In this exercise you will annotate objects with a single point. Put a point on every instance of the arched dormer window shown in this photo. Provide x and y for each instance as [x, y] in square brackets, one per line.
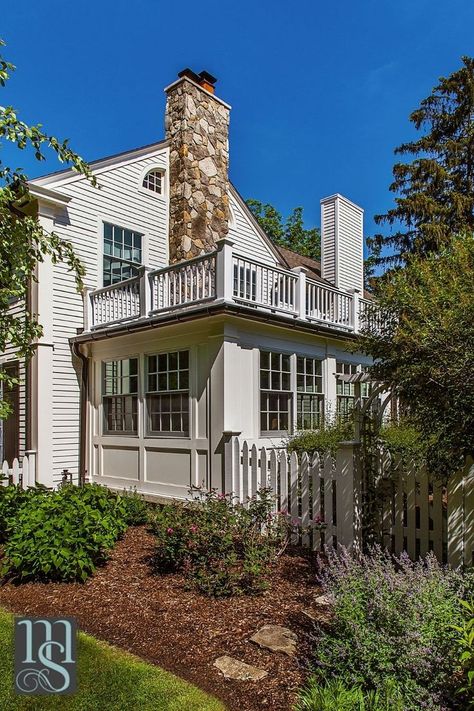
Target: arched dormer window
[154, 181]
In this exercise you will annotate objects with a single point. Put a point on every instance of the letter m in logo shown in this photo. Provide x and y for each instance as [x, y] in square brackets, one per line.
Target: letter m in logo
[45, 655]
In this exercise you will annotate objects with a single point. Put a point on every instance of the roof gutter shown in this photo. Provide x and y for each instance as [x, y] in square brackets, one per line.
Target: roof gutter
[214, 310]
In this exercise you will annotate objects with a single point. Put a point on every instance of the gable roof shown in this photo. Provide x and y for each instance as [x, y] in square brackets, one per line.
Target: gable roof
[100, 163]
[293, 259]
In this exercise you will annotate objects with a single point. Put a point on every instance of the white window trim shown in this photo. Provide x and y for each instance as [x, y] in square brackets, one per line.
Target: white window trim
[151, 193]
[118, 222]
[147, 432]
[102, 431]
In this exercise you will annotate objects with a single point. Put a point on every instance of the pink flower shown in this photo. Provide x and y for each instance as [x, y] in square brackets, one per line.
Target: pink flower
[193, 528]
[170, 530]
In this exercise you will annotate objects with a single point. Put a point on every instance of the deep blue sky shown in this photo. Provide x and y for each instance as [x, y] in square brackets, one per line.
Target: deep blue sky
[321, 91]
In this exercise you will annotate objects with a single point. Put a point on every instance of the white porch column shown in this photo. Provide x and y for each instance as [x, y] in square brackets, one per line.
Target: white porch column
[41, 401]
[300, 291]
[355, 310]
[145, 292]
[224, 269]
[329, 370]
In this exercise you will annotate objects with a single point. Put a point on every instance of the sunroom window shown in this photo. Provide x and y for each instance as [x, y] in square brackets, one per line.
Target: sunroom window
[120, 396]
[168, 393]
[275, 392]
[310, 398]
[122, 253]
[346, 391]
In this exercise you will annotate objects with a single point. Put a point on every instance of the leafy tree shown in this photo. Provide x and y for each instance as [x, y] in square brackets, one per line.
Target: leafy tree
[424, 347]
[23, 241]
[436, 190]
[290, 233]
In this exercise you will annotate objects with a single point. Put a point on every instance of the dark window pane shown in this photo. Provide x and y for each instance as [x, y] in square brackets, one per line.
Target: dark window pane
[275, 381]
[162, 381]
[264, 379]
[152, 364]
[152, 382]
[184, 380]
[275, 359]
[264, 359]
[162, 362]
[285, 381]
[108, 231]
[173, 361]
[285, 362]
[173, 381]
[300, 365]
[184, 359]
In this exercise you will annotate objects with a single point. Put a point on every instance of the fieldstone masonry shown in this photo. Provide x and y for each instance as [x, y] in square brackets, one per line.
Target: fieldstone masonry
[197, 126]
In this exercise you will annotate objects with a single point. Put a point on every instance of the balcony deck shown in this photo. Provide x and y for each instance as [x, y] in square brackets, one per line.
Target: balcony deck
[227, 277]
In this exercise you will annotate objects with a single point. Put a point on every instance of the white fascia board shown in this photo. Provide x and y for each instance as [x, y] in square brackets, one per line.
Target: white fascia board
[47, 195]
[70, 176]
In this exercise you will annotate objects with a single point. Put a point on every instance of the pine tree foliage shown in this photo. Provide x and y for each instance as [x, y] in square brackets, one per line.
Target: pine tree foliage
[435, 192]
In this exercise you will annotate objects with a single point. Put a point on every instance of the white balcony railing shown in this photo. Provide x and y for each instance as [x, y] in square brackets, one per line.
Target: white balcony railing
[224, 276]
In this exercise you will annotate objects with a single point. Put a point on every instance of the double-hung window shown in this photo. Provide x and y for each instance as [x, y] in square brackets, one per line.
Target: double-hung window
[275, 392]
[120, 396]
[309, 389]
[346, 391]
[122, 253]
[168, 393]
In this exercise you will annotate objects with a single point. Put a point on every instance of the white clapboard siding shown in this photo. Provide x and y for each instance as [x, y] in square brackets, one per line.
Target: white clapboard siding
[119, 201]
[246, 236]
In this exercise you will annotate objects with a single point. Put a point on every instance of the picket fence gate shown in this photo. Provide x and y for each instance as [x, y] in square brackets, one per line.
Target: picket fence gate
[320, 495]
[23, 474]
[323, 496]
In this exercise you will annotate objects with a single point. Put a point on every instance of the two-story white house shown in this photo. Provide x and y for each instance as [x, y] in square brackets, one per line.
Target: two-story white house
[193, 327]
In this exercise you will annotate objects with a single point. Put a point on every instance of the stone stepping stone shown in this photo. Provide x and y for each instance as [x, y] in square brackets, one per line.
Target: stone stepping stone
[235, 669]
[323, 600]
[277, 639]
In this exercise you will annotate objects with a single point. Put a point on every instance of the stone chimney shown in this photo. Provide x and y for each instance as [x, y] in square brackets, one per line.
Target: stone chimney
[197, 126]
[342, 243]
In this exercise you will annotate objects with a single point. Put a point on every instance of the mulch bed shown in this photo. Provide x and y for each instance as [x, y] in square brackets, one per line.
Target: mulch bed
[154, 617]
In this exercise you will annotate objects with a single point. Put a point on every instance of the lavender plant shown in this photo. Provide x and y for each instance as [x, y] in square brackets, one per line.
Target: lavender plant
[393, 619]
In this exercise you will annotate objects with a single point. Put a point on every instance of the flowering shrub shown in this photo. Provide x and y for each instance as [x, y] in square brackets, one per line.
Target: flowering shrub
[392, 619]
[223, 548]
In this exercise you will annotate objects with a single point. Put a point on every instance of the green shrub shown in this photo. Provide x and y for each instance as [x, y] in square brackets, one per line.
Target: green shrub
[223, 548]
[335, 696]
[325, 440]
[392, 619]
[62, 535]
[137, 511]
[405, 441]
[11, 498]
[465, 640]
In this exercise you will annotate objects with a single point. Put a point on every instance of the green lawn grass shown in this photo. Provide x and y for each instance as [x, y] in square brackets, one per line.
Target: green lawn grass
[108, 679]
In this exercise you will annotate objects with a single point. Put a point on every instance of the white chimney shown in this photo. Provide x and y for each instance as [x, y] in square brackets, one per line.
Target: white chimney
[342, 243]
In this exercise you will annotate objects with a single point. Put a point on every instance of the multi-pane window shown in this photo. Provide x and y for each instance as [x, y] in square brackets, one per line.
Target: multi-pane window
[168, 393]
[154, 181]
[122, 253]
[275, 392]
[346, 391]
[120, 396]
[310, 398]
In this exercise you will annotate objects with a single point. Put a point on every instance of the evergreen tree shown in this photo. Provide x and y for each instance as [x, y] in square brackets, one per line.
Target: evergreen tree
[290, 233]
[436, 190]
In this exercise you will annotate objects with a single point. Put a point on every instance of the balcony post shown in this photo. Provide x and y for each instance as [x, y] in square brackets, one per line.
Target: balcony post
[224, 269]
[145, 291]
[355, 310]
[87, 306]
[300, 296]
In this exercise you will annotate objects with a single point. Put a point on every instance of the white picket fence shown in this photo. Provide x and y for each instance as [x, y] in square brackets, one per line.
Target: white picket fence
[320, 495]
[420, 513]
[324, 497]
[23, 474]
